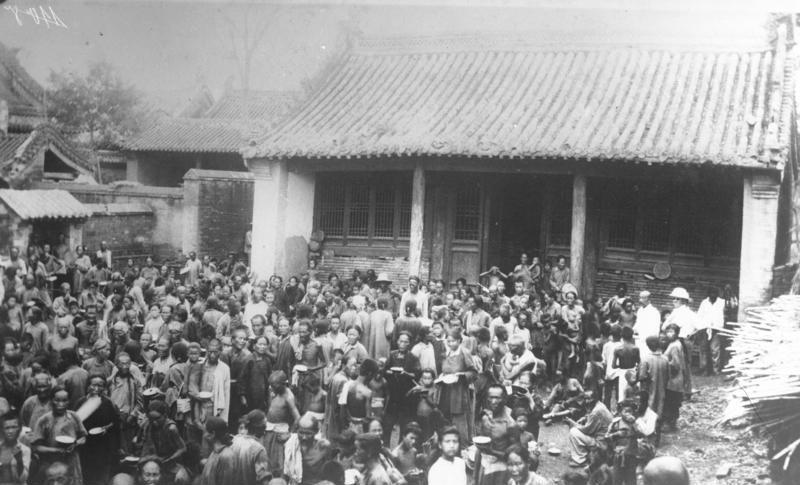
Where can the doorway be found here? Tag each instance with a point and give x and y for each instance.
(515, 220)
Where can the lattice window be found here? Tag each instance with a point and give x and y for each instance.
(468, 213)
(656, 218)
(561, 214)
(677, 219)
(405, 212)
(384, 212)
(330, 201)
(359, 211)
(364, 207)
(622, 211)
(690, 224)
(725, 229)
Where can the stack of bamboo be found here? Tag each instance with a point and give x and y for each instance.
(765, 359)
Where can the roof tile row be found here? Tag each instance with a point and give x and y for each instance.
(654, 105)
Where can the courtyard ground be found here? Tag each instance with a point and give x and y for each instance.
(699, 443)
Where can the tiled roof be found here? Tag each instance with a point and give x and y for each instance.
(41, 204)
(270, 106)
(111, 157)
(200, 174)
(679, 104)
(8, 57)
(9, 145)
(224, 128)
(23, 147)
(192, 135)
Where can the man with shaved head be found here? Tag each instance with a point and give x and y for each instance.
(306, 454)
(666, 470)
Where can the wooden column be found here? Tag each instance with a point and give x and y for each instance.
(190, 232)
(578, 239)
(591, 242)
(417, 218)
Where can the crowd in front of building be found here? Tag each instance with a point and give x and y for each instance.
(206, 373)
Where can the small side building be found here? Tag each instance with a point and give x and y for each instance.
(37, 216)
(162, 154)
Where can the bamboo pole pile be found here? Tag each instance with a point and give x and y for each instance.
(765, 361)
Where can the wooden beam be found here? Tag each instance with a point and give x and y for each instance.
(578, 239)
(417, 221)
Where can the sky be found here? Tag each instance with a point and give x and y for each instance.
(175, 46)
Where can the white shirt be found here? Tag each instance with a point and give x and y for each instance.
(445, 472)
(711, 315)
(648, 322)
(685, 319)
(425, 353)
(252, 309)
(421, 299)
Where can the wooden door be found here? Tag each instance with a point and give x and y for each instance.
(465, 236)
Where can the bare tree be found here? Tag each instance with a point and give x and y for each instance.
(246, 30)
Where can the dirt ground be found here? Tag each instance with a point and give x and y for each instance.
(699, 443)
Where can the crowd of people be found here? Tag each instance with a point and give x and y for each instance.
(203, 372)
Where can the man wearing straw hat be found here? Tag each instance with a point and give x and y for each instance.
(686, 320)
(385, 291)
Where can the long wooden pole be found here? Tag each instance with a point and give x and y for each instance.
(417, 221)
(578, 239)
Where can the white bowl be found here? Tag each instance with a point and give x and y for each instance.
(97, 431)
(449, 378)
(65, 440)
(204, 395)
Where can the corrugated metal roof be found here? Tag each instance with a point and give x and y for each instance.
(192, 135)
(661, 105)
(41, 204)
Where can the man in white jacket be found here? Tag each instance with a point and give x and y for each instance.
(648, 322)
(711, 319)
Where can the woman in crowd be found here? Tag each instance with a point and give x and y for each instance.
(383, 371)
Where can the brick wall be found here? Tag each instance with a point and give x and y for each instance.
(397, 268)
(225, 211)
(165, 203)
(126, 234)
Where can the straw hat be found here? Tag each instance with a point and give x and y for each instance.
(383, 278)
(681, 293)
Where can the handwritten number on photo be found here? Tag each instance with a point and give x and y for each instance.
(39, 16)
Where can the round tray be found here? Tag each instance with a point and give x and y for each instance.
(662, 271)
